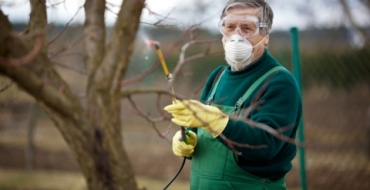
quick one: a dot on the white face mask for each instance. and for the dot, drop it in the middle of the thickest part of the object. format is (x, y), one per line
(238, 51)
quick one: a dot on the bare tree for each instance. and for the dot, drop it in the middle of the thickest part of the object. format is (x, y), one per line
(93, 132)
(92, 128)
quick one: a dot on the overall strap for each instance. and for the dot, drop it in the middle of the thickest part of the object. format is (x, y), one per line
(217, 79)
(241, 100)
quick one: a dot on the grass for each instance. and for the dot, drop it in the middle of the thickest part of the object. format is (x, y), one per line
(58, 180)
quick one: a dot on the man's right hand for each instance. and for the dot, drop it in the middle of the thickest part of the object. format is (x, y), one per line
(182, 149)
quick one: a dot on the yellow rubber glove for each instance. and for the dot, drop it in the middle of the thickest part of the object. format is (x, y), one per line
(191, 113)
(181, 149)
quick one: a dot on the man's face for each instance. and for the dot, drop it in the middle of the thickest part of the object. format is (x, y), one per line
(259, 49)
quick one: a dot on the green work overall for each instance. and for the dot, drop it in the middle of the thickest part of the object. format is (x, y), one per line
(214, 166)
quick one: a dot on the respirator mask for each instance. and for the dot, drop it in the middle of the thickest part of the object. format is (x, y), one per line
(236, 29)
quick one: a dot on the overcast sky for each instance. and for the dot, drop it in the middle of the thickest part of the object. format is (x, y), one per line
(183, 13)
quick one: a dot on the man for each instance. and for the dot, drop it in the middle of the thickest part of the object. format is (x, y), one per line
(218, 125)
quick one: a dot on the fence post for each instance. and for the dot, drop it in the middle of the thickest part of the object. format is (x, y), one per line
(297, 75)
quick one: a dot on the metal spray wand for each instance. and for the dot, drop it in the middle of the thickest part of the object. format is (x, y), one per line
(169, 79)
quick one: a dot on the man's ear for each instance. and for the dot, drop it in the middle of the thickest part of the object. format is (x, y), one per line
(223, 41)
(266, 40)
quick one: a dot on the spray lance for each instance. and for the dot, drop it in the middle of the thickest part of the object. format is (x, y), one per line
(152, 43)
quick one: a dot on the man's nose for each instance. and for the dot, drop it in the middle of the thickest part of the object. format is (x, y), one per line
(238, 31)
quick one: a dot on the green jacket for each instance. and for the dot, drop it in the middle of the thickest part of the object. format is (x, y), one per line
(280, 107)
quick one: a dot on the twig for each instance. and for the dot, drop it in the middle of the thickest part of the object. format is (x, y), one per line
(231, 144)
(70, 54)
(63, 49)
(111, 4)
(160, 111)
(6, 86)
(197, 89)
(182, 59)
(127, 93)
(64, 28)
(56, 4)
(160, 17)
(142, 75)
(64, 66)
(137, 111)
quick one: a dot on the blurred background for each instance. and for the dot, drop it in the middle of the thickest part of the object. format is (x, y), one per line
(335, 65)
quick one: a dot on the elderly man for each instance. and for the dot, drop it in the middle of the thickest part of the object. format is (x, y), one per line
(252, 74)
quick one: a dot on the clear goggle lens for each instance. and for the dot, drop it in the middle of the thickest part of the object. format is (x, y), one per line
(246, 26)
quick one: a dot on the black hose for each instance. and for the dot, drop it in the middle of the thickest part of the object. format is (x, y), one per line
(173, 179)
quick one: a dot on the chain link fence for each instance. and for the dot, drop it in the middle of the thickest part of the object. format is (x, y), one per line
(336, 95)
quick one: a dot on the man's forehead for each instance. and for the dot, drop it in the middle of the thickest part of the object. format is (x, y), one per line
(242, 11)
(243, 17)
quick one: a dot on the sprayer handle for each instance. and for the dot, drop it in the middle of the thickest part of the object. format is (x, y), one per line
(183, 135)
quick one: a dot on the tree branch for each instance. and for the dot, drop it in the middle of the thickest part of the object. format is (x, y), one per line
(351, 20)
(94, 35)
(41, 91)
(11, 62)
(38, 18)
(31, 77)
(120, 46)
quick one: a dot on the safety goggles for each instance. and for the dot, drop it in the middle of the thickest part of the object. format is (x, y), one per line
(244, 25)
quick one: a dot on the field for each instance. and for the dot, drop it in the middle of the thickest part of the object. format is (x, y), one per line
(336, 132)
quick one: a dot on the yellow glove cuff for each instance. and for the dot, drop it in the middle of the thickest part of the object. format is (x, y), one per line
(216, 127)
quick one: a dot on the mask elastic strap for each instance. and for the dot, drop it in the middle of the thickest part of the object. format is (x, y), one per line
(260, 41)
(256, 45)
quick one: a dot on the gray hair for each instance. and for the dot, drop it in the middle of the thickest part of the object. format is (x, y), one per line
(265, 13)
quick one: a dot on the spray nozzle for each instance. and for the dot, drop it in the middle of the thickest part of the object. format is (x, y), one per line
(152, 43)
